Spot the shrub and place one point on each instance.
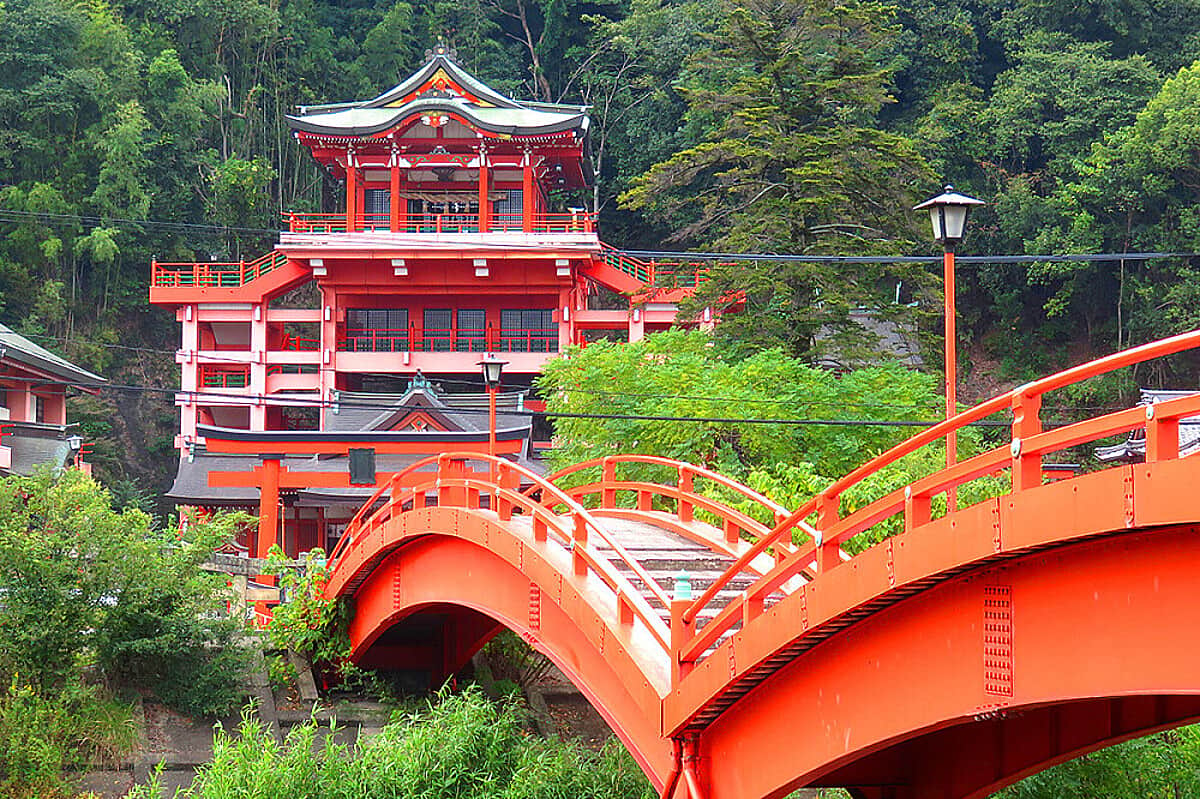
(42, 735)
(459, 746)
(85, 585)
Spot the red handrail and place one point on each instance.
(579, 222)
(228, 274)
(576, 528)
(1022, 455)
(416, 338)
(682, 492)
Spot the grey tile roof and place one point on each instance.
(365, 411)
(1134, 448)
(363, 416)
(15, 347)
(35, 445)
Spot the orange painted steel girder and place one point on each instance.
(986, 693)
(1087, 508)
(912, 699)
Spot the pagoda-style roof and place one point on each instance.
(422, 416)
(1133, 449)
(442, 86)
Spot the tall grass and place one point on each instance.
(41, 737)
(460, 746)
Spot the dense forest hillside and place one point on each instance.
(154, 128)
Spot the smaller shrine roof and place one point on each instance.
(15, 347)
(1133, 449)
(35, 445)
(420, 414)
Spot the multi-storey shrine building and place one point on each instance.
(450, 245)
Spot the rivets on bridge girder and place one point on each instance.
(1015, 448)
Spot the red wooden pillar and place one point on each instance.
(484, 210)
(527, 194)
(268, 511)
(360, 203)
(351, 198)
(394, 206)
(402, 211)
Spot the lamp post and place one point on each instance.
(492, 367)
(948, 216)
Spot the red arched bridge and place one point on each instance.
(958, 655)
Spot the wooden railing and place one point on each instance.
(214, 274)
(579, 222)
(417, 338)
(657, 274)
(232, 376)
(555, 519)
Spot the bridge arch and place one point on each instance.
(481, 573)
(954, 658)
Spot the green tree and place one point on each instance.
(89, 587)
(1161, 766)
(678, 373)
(793, 162)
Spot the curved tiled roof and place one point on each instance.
(493, 112)
(16, 347)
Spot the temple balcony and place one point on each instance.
(572, 222)
(311, 235)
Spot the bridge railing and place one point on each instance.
(1022, 457)
(554, 516)
(684, 496)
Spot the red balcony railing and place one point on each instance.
(575, 222)
(419, 339)
(230, 274)
(235, 376)
(660, 274)
(299, 344)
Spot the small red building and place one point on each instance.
(452, 243)
(33, 406)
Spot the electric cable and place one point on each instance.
(17, 215)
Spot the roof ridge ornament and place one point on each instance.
(419, 382)
(443, 50)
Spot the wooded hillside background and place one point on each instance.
(132, 130)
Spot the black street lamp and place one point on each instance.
(492, 368)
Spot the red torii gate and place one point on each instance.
(272, 476)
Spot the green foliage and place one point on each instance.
(791, 91)
(1161, 766)
(307, 623)
(459, 746)
(679, 373)
(87, 587)
(42, 735)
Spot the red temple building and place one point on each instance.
(453, 243)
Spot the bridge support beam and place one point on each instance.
(913, 702)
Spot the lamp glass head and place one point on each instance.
(948, 214)
(492, 367)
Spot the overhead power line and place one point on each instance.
(319, 403)
(17, 215)
(653, 255)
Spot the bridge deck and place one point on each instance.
(667, 555)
